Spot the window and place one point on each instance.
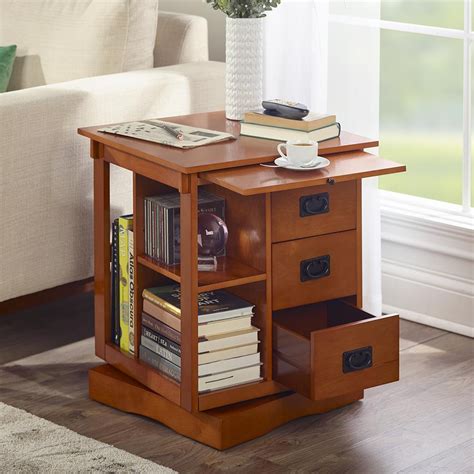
(425, 98)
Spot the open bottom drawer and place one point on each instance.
(328, 349)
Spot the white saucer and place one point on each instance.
(317, 163)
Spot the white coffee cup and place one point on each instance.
(299, 152)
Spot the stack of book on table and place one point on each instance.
(122, 271)
(314, 127)
(227, 342)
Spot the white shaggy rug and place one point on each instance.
(29, 444)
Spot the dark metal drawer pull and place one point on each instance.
(317, 267)
(314, 204)
(358, 359)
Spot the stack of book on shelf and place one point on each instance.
(122, 307)
(162, 225)
(314, 127)
(227, 342)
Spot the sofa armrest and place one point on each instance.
(180, 39)
(46, 175)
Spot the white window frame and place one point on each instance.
(432, 209)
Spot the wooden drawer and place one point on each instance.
(314, 211)
(315, 269)
(329, 349)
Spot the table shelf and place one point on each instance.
(230, 272)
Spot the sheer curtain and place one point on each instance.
(335, 68)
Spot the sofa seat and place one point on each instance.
(45, 169)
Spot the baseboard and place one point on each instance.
(46, 296)
(430, 321)
(427, 265)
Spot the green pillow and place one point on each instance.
(7, 57)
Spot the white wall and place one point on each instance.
(215, 20)
(427, 266)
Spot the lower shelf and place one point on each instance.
(143, 373)
(228, 396)
(220, 428)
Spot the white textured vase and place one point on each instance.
(244, 66)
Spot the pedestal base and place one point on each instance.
(219, 428)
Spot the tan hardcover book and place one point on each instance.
(228, 379)
(311, 122)
(162, 315)
(228, 340)
(239, 351)
(228, 364)
(285, 134)
(225, 326)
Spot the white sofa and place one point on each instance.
(45, 169)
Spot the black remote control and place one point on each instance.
(285, 109)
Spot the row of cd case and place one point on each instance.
(162, 224)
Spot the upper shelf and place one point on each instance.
(344, 167)
(230, 154)
(230, 272)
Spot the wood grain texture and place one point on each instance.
(245, 218)
(142, 372)
(243, 392)
(348, 166)
(189, 296)
(230, 272)
(392, 430)
(229, 154)
(96, 150)
(144, 168)
(102, 255)
(220, 428)
(289, 290)
(286, 207)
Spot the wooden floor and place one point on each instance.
(421, 424)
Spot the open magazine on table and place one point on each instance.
(158, 131)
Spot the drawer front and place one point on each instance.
(354, 356)
(314, 211)
(331, 349)
(314, 269)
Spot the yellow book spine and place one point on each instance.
(131, 286)
(125, 224)
(148, 295)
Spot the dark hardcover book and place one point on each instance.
(160, 350)
(162, 340)
(212, 305)
(115, 320)
(159, 363)
(162, 328)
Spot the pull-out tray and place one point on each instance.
(258, 179)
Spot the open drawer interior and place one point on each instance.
(332, 348)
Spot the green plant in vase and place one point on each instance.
(244, 8)
(244, 53)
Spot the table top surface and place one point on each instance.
(230, 154)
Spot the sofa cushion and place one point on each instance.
(61, 40)
(7, 57)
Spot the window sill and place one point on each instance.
(427, 212)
